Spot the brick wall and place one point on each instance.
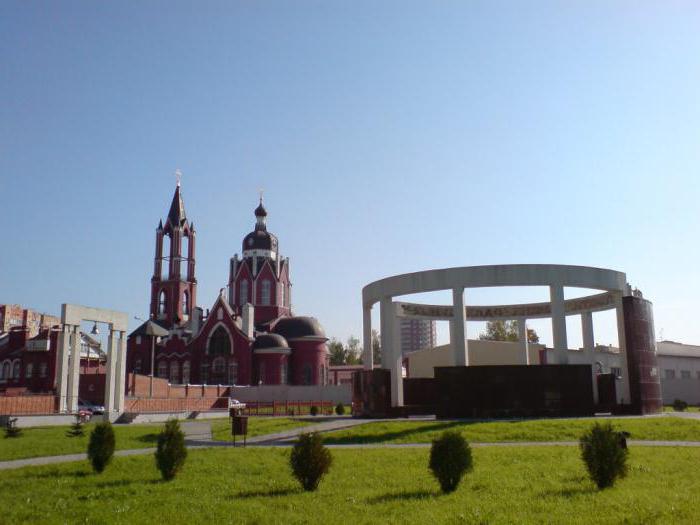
(32, 404)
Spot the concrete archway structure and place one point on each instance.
(68, 365)
(612, 284)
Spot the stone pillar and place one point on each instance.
(587, 331)
(522, 340)
(458, 338)
(367, 350)
(62, 367)
(120, 376)
(74, 371)
(623, 393)
(396, 362)
(111, 372)
(561, 346)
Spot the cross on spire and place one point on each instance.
(261, 191)
(178, 176)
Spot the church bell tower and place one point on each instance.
(173, 285)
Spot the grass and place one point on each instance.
(52, 441)
(690, 408)
(508, 485)
(658, 428)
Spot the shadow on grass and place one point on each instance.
(148, 438)
(265, 493)
(568, 492)
(403, 496)
(390, 436)
(55, 473)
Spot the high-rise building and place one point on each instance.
(417, 334)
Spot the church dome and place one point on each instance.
(297, 327)
(268, 341)
(260, 238)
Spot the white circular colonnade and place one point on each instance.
(612, 284)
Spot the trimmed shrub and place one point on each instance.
(604, 451)
(171, 452)
(450, 459)
(339, 409)
(310, 460)
(313, 410)
(11, 428)
(679, 405)
(77, 429)
(101, 446)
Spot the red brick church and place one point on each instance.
(249, 336)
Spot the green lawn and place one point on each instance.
(508, 485)
(52, 441)
(689, 409)
(660, 428)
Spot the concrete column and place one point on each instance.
(74, 371)
(111, 372)
(387, 332)
(623, 390)
(396, 363)
(522, 340)
(587, 331)
(368, 351)
(62, 367)
(458, 339)
(120, 376)
(561, 346)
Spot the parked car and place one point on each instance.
(92, 408)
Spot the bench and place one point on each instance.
(196, 431)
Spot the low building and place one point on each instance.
(679, 367)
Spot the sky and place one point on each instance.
(389, 137)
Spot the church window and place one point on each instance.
(162, 303)
(185, 302)
(138, 339)
(265, 292)
(219, 342)
(218, 366)
(29, 371)
(16, 369)
(162, 369)
(284, 371)
(43, 370)
(174, 372)
(306, 377)
(6, 368)
(204, 372)
(185, 373)
(137, 366)
(243, 293)
(233, 372)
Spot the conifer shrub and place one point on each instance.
(313, 410)
(450, 459)
(11, 428)
(171, 452)
(679, 405)
(310, 460)
(604, 451)
(101, 446)
(339, 409)
(77, 428)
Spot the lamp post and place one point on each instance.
(154, 331)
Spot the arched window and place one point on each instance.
(162, 302)
(6, 368)
(185, 251)
(243, 293)
(204, 373)
(219, 342)
(43, 369)
(261, 373)
(283, 299)
(265, 292)
(306, 379)
(16, 366)
(284, 371)
(137, 366)
(29, 370)
(162, 369)
(185, 373)
(186, 302)
(233, 372)
(165, 258)
(174, 372)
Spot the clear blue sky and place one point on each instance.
(389, 136)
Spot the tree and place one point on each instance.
(101, 446)
(604, 451)
(450, 459)
(171, 452)
(345, 354)
(310, 460)
(506, 331)
(337, 352)
(376, 348)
